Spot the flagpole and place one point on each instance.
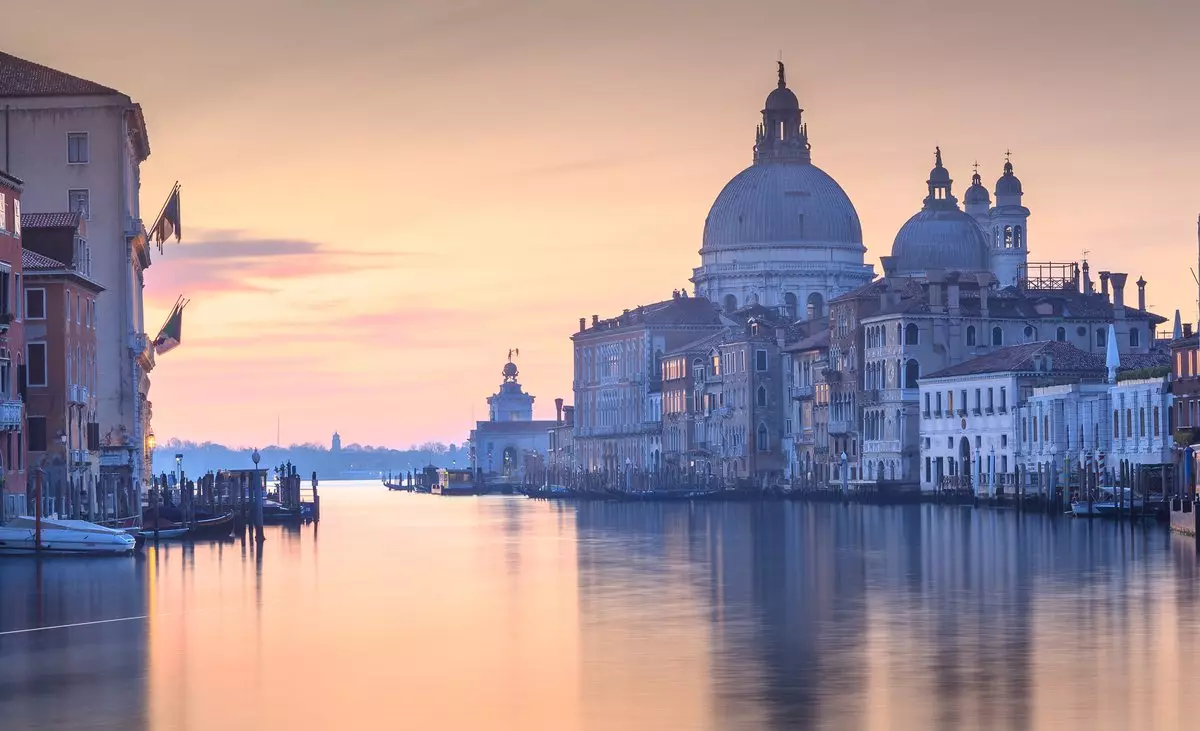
(170, 315)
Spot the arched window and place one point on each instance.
(1030, 334)
(912, 373)
(970, 334)
(910, 334)
(764, 444)
(1018, 238)
(1061, 335)
(730, 303)
(1101, 337)
(789, 302)
(1008, 237)
(816, 305)
(1135, 338)
(762, 396)
(997, 336)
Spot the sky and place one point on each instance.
(382, 197)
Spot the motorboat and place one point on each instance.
(1110, 501)
(61, 536)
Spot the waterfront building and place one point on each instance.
(79, 145)
(782, 233)
(12, 353)
(969, 419)
(806, 433)
(562, 443)
(618, 366)
(1185, 386)
(504, 446)
(61, 371)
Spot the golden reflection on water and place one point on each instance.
(420, 612)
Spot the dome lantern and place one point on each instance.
(782, 136)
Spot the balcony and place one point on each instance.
(79, 457)
(10, 414)
(876, 446)
(839, 426)
(869, 396)
(78, 394)
(800, 392)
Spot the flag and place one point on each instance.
(172, 331)
(168, 223)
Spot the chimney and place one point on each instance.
(1104, 284)
(781, 336)
(675, 294)
(1087, 279)
(1118, 300)
(1187, 329)
(582, 324)
(889, 265)
(985, 284)
(1141, 283)
(595, 320)
(558, 410)
(952, 293)
(936, 278)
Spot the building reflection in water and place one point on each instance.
(55, 678)
(827, 616)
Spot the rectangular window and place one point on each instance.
(928, 469)
(927, 404)
(35, 304)
(35, 361)
(978, 400)
(37, 434)
(79, 201)
(67, 304)
(1003, 440)
(760, 360)
(991, 399)
(963, 403)
(950, 402)
(1004, 464)
(77, 148)
(3, 218)
(1003, 398)
(17, 220)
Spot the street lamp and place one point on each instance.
(255, 458)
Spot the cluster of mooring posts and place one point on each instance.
(242, 495)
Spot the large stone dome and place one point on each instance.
(775, 203)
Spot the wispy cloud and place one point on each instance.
(234, 261)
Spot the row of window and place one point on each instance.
(933, 402)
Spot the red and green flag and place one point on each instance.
(171, 334)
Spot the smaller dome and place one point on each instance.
(782, 100)
(940, 239)
(510, 370)
(976, 193)
(1008, 184)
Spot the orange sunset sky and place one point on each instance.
(380, 198)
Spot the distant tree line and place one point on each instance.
(351, 461)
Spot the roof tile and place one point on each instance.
(19, 77)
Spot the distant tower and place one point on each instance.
(1009, 224)
(510, 403)
(337, 443)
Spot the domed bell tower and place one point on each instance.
(1009, 227)
(782, 136)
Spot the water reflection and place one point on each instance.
(498, 613)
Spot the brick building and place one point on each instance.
(12, 353)
(61, 373)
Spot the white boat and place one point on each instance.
(1106, 505)
(61, 536)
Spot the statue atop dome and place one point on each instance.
(510, 371)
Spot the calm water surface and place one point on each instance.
(418, 612)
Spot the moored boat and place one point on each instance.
(60, 536)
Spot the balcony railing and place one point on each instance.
(79, 394)
(839, 426)
(10, 414)
(800, 392)
(79, 456)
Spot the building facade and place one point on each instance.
(782, 233)
(618, 365)
(504, 447)
(12, 354)
(81, 145)
(60, 305)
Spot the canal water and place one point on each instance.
(418, 612)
